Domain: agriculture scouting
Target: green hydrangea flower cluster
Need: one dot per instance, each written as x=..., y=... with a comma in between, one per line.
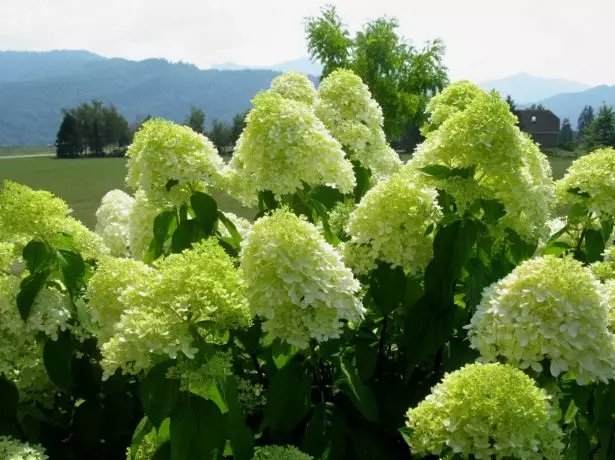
x=605, y=270
x=390, y=225
x=280, y=453
x=485, y=411
x=201, y=376
x=12, y=449
x=26, y=214
x=346, y=107
x=478, y=136
x=295, y=86
x=454, y=98
x=547, y=309
x=8, y=255
x=283, y=147
x=161, y=306
x=594, y=175
x=168, y=162
x=112, y=218
x=296, y=281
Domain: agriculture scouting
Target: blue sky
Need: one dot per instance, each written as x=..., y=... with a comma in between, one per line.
x=485, y=39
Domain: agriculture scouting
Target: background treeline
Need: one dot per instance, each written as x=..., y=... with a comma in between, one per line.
x=93, y=129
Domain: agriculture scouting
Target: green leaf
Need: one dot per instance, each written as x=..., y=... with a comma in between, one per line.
x=288, y=398
x=363, y=177
x=387, y=286
x=161, y=230
x=494, y=210
x=57, y=356
x=577, y=191
x=594, y=246
x=266, y=200
x=556, y=248
x=323, y=215
x=241, y=436
x=337, y=439
x=367, y=357
x=328, y=196
x=250, y=337
x=72, y=268
x=476, y=282
x=159, y=394
x=197, y=430
x=230, y=226
x=29, y=288
x=144, y=428
x=443, y=172
x=315, y=436
x=282, y=352
x=359, y=393
x=89, y=423
x=186, y=233
x=37, y=255
x=206, y=211
x=9, y=399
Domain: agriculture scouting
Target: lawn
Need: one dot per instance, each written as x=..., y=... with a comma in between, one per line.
x=83, y=182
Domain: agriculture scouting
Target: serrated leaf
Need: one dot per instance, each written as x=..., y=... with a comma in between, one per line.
x=159, y=394
x=366, y=355
x=577, y=191
x=556, y=248
x=197, y=430
x=387, y=286
x=9, y=399
x=206, y=211
x=315, y=436
x=36, y=255
x=363, y=177
x=29, y=288
x=594, y=246
x=359, y=393
x=494, y=210
x=72, y=268
x=170, y=184
x=186, y=233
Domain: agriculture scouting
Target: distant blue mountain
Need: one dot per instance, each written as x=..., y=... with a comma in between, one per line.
x=570, y=105
x=525, y=88
x=35, y=87
x=304, y=65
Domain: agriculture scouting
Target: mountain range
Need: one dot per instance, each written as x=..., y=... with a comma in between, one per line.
x=36, y=86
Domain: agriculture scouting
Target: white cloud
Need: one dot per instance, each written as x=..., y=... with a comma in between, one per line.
x=485, y=38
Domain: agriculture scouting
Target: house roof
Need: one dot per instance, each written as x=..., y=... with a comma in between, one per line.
x=536, y=121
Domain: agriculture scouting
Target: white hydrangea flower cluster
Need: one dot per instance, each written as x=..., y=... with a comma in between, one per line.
x=26, y=214
x=346, y=107
x=7, y=256
x=454, y=98
x=283, y=147
x=13, y=449
x=485, y=411
x=141, y=225
x=296, y=281
x=390, y=225
x=158, y=307
x=296, y=86
x=162, y=152
x=592, y=174
x=547, y=309
x=479, y=135
x=112, y=218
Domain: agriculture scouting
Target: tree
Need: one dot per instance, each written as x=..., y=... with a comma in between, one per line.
x=237, y=126
x=601, y=131
x=220, y=135
x=537, y=107
x=196, y=120
x=68, y=143
x=585, y=119
x=566, y=136
x=401, y=78
x=513, y=106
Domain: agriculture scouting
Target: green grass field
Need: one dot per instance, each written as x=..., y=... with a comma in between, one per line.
x=82, y=183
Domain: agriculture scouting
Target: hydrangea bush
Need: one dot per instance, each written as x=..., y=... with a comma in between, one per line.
x=461, y=306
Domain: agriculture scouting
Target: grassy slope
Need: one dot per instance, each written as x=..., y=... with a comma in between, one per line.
x=17, y=151
x=82, y=183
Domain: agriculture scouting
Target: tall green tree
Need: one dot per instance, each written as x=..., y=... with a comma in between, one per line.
x=601, y=131
x=566, y=136
x=401, y=77
x=196, y=120
x=537, y=107
x=237, y=126
x=68, y=142
x=585, y=119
